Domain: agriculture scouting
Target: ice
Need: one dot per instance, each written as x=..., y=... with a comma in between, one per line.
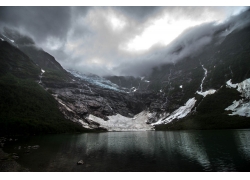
x=121, y=123
x=181, y=112
x=96, y=80
x=241, y=107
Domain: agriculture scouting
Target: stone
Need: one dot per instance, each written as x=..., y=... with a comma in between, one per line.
x=80, y=162
x=35, y=147
x=27, y=151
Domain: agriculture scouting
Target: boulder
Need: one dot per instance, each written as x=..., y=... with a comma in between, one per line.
x=80, y=162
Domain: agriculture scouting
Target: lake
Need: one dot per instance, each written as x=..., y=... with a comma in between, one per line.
x=145, y=151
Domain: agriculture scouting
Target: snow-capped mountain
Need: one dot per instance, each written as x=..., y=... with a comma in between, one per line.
x=208, y=90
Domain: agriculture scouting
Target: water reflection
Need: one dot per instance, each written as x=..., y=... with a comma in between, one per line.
x=243, y=139
x=139, y=151
x=190, y=145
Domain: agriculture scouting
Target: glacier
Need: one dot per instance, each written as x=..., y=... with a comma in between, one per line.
x=96, y=80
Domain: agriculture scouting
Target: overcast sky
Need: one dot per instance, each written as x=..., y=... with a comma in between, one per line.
x=117, y=40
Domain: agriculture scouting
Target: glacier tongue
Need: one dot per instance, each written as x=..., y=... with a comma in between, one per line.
x=181, y=112
x=241, y=107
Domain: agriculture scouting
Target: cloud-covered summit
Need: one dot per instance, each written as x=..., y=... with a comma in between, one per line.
x=120, y=40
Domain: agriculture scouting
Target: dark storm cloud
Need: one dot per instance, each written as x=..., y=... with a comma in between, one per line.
x=40, y=22
x=89, y=39
x=140, y=13
x=189, y=43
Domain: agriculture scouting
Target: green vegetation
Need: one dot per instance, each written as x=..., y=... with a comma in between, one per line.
x=15, y=61
x=26, y=108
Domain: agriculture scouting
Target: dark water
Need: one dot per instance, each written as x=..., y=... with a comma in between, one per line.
x=218, y=150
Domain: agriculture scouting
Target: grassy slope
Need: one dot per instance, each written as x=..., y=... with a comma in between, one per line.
x=26, y=108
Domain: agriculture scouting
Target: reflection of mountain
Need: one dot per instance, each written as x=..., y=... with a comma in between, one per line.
x=243, y=137
x=139, y=151
x=190, y=146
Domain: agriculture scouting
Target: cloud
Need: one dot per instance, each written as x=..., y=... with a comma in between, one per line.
x=93, y=39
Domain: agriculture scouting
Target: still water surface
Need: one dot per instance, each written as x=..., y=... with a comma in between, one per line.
x=217, y=150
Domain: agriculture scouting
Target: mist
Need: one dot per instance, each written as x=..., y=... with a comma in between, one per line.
x=98, y=40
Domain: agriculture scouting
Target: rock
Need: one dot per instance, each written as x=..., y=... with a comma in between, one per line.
x=35, y=147
x=15, y=157
x=94, y=104
x=27, y=151
x=80, y=162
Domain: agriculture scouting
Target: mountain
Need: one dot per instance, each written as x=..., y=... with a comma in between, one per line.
x=194, y=92
x=208, y=89
x=25, y=106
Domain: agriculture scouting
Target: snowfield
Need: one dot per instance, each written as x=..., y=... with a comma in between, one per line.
x=241, y=107
x=204, y=94
x=181, y=112
x=120, y=123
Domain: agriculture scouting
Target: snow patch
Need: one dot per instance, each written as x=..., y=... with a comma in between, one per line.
x=181, y=112
x=2, y=39
x=241, y=107
x=208, y=92
x=133, y=89
x=121, y=123
x=204, y=77
x=41, y=75
x=204, y=94
x=9, y=38
x=230, y=84
x=181, y=86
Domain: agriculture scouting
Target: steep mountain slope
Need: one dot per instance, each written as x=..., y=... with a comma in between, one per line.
x=25, y=107
x=208, y=89
x=209, y=71
x=53, y=70
x=193, y=92
x=80, y=96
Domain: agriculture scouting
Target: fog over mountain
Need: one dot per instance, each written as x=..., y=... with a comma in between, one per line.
x=121, y=40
